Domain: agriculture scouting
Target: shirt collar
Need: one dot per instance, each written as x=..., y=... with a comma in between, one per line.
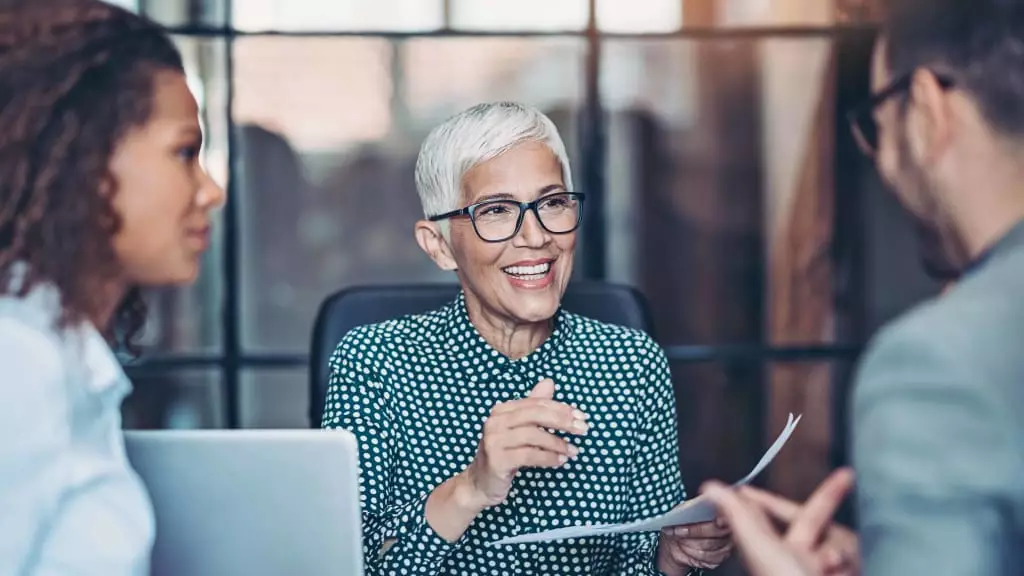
x=104, y=369
x=1009, y=241
x=465, y=340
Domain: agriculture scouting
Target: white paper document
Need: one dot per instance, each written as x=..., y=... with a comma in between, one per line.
x=691, y=512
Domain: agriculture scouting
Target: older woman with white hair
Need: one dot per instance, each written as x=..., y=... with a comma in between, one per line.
x=502, y=414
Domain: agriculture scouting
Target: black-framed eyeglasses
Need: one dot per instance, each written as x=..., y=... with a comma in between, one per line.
x=862, y=117
x=499, y=220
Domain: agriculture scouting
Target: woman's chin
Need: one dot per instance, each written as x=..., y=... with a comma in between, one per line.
x=532, y=307
x=179, y=274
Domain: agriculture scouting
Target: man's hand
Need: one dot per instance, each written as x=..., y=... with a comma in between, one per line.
x=840, y=547
x=803, y=550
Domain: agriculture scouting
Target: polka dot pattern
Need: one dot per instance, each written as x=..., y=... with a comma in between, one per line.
x=416, y=391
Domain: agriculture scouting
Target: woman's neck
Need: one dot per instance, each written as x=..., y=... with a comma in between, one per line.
x=513, y=339
x=103, y=316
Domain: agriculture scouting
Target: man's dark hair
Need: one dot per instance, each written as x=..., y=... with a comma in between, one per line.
x=979, y=44
x=75, y=77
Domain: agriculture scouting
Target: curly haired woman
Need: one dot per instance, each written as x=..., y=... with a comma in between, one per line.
x=101, y=195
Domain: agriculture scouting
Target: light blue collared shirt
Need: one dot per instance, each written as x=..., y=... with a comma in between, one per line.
x=69, y=501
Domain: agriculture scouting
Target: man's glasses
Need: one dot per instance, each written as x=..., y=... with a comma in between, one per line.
x=862, y=118
x=499, y=220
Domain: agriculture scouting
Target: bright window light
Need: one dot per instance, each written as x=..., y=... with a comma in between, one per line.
x=526, y=15
x=357, y=15
x=639, y=15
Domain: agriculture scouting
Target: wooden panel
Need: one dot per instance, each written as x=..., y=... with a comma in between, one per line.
x=802, y=310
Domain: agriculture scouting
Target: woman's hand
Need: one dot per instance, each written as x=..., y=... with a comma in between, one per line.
x=514, y=437
x=704, y=545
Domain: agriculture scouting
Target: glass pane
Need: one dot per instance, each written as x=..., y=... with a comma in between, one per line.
x=327, y=157
x=180, y=13
x=174, y=398
x=312, y=15
x=274, y=398
x=721, y=149
x=132, y=5
x=534, y=15
x=775, y=12
x=639, y=15
x=187, y=319
x=730, y=412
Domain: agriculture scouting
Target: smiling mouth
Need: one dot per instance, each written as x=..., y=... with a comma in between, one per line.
x=535, y=272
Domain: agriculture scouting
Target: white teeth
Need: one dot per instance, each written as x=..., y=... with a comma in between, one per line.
x=539, y=269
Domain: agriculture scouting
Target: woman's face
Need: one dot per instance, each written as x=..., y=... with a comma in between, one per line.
x=162, y=194
x=521, y=279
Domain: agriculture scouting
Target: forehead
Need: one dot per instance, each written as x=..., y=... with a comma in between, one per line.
x=172, y=99
x=523, y=171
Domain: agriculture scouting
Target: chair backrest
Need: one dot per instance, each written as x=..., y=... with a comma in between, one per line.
x=361, y=305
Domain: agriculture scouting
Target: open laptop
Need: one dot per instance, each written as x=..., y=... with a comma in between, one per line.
x=252, y=502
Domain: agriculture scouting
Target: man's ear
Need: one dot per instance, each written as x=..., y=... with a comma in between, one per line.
x=929, y=121
x=432, y=241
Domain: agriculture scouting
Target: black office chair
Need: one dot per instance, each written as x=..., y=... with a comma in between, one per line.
x=358, y=306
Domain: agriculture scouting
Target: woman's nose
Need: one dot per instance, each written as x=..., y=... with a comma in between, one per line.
x=531, y=233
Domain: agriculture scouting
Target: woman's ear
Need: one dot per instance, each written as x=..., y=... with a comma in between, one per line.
x=432, y=241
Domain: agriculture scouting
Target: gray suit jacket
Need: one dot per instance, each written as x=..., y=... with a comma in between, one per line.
x=938, y=430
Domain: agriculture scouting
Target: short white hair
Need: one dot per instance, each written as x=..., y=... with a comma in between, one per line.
x=473, y=137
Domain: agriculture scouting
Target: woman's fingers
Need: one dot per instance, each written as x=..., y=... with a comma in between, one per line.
x=545, y=415
x=702, y=530
x=537, y=438
x=530, y=457
x=544, y=389
x=698, y=557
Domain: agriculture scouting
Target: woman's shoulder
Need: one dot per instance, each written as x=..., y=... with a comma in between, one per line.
x=586, y=328
x=39, y=309
x=33, y=317
x=30, y=351
x=403, y=334
x=613, y=339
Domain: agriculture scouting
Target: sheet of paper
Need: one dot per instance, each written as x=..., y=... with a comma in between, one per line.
x=690, y=512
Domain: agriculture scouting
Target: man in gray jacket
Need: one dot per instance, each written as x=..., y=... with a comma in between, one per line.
x=938, y=440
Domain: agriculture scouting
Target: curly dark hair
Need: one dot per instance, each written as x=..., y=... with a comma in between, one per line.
x=75, y=77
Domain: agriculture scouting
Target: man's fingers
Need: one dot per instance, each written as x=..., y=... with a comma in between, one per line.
x=816, y=515
x=751, y=529
x=779, y=508
x=831, y=560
